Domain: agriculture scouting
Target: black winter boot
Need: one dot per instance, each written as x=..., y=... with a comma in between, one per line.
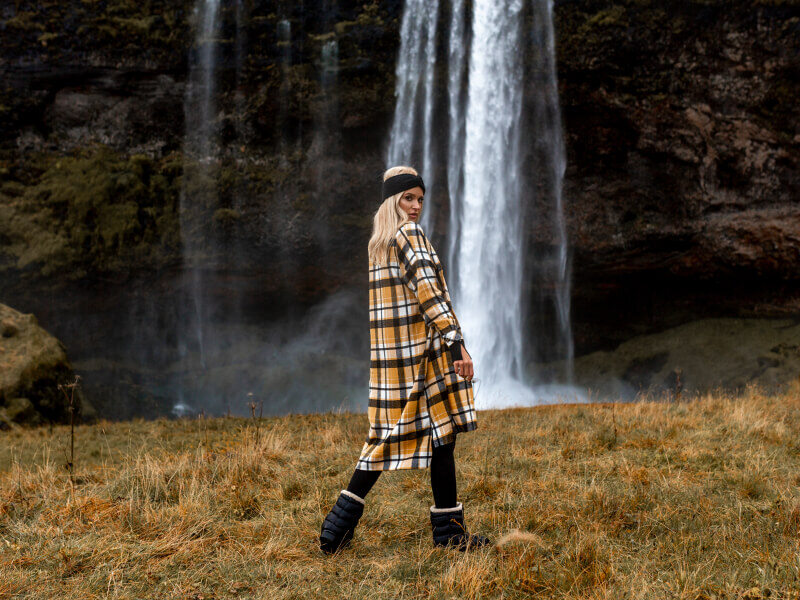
x=448, y=529
x=338, y=526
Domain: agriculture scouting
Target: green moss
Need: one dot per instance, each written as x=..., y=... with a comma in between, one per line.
x=226, y=217
x=25, y=21
x=12, y=189
x=370, y=15
x=677, y=25
x=227, y=180
x=140, y=25
x=302, y=203
x=96, y=212
x=341, y=27
x=323, y=37
x=47, y=37
x=157, y=28
x=613, y=16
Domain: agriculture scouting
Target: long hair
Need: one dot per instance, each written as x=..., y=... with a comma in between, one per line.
x=387, y=220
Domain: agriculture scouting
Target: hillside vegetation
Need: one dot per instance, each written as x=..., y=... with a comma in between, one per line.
x=690, y=499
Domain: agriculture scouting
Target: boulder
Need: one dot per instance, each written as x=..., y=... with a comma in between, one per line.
x=22, y=410
x=33, y=364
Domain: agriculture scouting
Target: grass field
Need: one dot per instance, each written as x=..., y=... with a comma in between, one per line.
x=695, y=499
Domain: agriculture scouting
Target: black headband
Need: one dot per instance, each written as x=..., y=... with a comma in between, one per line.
x=401, y=183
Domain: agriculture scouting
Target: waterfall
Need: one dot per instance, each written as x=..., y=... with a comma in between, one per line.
x=199, y=146
x=240, y=102
x=330, y=62
x=198, y=193
x=490, y=254
x=456, y=68
x=501, y=148
x=199, y=100
x=326, y=125
x=554, y=268
x=285, y=43
x=412, y=126
x=323, y=156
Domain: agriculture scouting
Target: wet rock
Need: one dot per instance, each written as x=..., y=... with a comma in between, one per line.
x=682, y=160
x=32, y=366
x=5, y=421
x=696, y=357
x=22, y=410
x=8, y=329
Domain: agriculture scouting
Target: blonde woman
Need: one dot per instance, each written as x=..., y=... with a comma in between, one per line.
x=420, y=388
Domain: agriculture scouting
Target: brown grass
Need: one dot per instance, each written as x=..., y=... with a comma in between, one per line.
x=694, y=500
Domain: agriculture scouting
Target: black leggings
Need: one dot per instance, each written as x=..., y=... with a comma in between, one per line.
x=443, y=477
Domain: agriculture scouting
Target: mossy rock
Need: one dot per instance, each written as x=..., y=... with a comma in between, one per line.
x=37, y=382
x=696, y=358
x=22, y=410
x=226, y=218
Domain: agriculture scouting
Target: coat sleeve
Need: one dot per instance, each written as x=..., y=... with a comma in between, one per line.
x=420, y=277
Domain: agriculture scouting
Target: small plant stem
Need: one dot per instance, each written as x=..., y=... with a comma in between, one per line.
x=70, y=398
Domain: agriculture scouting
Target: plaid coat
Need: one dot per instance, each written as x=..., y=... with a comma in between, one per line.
x=416, y=400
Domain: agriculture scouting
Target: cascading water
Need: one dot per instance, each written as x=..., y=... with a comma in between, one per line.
x=199, y=166
x=330, y=62
x=326, y=143
x=240, y=100
x=201, y=89
x=480, y=157
x=491, y=199
x=490, y=255
x=225, y=351
x=285, y=44
x=412, y=128
x=456, y=66
x=199, y=147
x=553, y=266
x=327, y=130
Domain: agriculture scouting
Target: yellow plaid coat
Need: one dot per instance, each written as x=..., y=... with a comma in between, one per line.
x=416, y=400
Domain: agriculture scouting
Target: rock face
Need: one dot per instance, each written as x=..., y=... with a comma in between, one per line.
x=32, y=365
x=682, y=178
x=91, y=143
x=681, y=126
x=696, y=357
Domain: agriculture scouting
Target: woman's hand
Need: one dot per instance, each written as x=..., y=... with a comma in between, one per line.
x=464, y=367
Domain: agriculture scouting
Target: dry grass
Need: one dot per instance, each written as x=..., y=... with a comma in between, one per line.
x=693, y=500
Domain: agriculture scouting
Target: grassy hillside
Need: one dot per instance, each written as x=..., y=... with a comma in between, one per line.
x=695, y=499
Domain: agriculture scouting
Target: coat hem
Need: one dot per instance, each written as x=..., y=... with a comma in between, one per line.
x=422, y=463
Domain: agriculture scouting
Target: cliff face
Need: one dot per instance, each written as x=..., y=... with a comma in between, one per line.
x=683, y=158
x=680, y=122
x=92, y=127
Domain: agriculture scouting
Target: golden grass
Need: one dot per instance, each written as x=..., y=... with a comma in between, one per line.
x=694, y=500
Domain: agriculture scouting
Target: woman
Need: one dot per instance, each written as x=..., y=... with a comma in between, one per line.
x=420, y=372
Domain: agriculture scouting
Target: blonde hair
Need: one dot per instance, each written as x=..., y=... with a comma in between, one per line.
x=387, y=220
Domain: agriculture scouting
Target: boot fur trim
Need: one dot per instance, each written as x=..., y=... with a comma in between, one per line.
x=455, y=508
x=353, y=496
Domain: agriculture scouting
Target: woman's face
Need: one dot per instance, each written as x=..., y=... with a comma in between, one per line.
x=411, y=202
